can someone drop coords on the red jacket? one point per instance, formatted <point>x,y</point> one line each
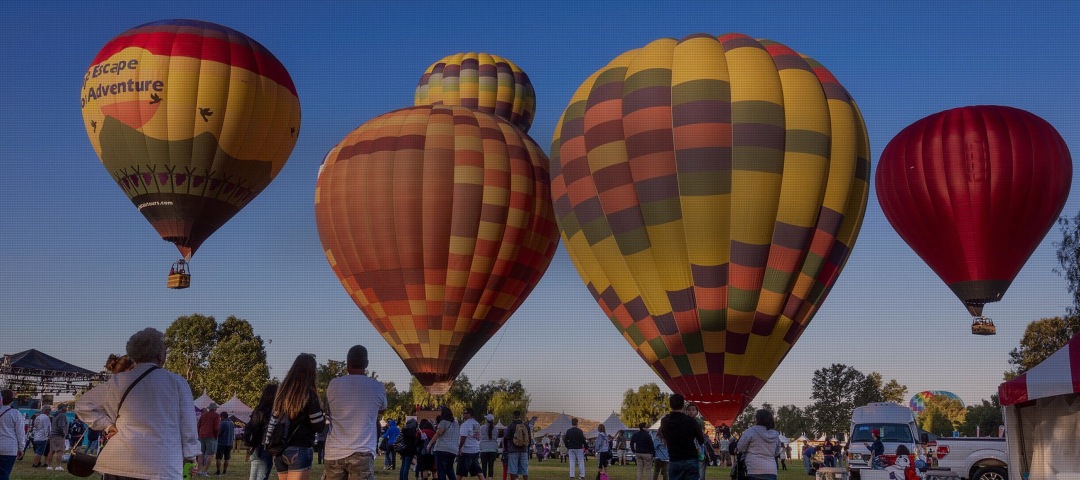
<point>209,425</point>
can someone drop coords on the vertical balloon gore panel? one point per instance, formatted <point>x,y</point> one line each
<point>192,120</point>
<point>709,191</point>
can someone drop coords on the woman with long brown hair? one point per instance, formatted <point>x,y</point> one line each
<point>297,399</point>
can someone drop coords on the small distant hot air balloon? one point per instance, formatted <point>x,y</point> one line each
<point>480,81</point>
<point>973,191</point>
<point>709,191</point>
<point>192,120</point>
<point>438,222</point>
<point>918,401</point>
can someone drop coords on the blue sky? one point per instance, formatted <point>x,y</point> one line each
<point>82,269</point>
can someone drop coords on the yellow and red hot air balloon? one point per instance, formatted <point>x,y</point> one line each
<point>438,222</point>
<point>192,120</point>
<point>709,191</point>
<point>480,81</point>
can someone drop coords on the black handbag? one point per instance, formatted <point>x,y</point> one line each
<point>82,464</point>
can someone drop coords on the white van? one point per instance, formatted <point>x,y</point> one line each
<point>896,424</point>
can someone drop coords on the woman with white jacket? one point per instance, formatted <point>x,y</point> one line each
<point>760,444</point>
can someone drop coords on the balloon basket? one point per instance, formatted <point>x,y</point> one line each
<point>178,276</point>
<point>983,326</point>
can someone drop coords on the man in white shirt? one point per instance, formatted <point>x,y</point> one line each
<point>354,403</point>
<point>39,431</point>
<point>468,457</point>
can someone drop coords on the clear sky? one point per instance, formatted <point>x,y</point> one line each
<point>82,269</point>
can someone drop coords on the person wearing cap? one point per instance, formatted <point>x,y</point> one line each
<point>489,446</point>
<point>877,449</point>
<point>354,403</point>
<point>468,456</point>
<point>209,430</point>
<point>40,426</point>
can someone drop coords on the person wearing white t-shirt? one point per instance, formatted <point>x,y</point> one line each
<point>354,403</point>
<point>468,457</point>
<point>39,434</point>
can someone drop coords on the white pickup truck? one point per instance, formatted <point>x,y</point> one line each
<point>971,458</point>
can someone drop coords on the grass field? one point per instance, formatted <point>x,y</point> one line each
<point>547,470</point>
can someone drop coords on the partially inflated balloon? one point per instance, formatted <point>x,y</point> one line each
<point>973,191</point>
<point>438,222</point>
<point>709,191</point>
<point>192,120</point>
<point>918,401</point>
<point>489,83</point>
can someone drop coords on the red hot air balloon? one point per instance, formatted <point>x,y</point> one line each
<point>973,190</point>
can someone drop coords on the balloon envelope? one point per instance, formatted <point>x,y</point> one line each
<point>709,191</point>
<point>918,401</point>
<point>438,222</point>
<point>480,81</point>
<point>192,120</point>
<point>973,191</point>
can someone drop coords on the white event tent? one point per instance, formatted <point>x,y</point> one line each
<point>611,426</point>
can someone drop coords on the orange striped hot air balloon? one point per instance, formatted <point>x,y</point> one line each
<point>438,222</point>
<point>709,191</point>
<point>192,120</point>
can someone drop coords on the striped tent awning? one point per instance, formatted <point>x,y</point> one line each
<point>1057,375</point>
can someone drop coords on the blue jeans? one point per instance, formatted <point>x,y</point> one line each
<point>406,464</point>
<point>683,469</point>
<point>260,464</point>
<point>444,465</point>
<point>7,463</point>
<point>517,463</point>
<point>294,459</point>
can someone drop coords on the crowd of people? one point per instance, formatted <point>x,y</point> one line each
<point>142,424</point>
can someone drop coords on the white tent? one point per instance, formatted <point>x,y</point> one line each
<point>203,401</point>
<point>611,426</point>
<point>558,426</point>
<point>236,408</point>
<point>655,426</point>
<point>1042,417</point>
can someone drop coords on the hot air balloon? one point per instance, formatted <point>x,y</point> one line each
<point>709,191</point>
<point>973,191</point>
<point>918,401</point>
<point>438,222</point>
<point>480,81</point>
<point>192,120</point>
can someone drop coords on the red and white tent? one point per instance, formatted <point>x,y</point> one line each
<point>1042,417</point>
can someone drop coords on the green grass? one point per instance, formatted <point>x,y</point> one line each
<point>547,470</point>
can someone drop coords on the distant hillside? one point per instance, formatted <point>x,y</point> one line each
<point>543,419</point>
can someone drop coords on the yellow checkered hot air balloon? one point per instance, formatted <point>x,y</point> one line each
<point>480,81</point>
<point>192,120</point>
<point>438,222</point>
<point>709,191</point>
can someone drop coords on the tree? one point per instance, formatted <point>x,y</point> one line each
<point>326,372</point>
<point>189,340</point>
<point>398,404</point>
<point>1068,255</point>
<point>834,390</point>
<point>894,392</point>
<point>646,405</point>
<point>1041,338</point>
<point>869,390</point>
<point>982,420</point>
<point>745,419</point>
<point>506,398</point>
<point>237,366</point>
<point>794,422</point>
<point>941,415</point>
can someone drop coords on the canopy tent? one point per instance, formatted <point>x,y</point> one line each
<point>33,370</point>
<point>559,426</point>
<point>1042,417</point>
<point>611,426</point>
<point>655,426</point>
<point>203,401</point>
<point>236,408</point>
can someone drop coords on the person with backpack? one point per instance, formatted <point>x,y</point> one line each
<point>445,444</point>
<point>407,447</point>
<point>425,458</point>
<point>355,402</point>
<point>76,431</point>
<point>516,442</point>
<point>254,432</point>
<point>290,435</point>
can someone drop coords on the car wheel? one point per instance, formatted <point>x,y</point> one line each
<point>991,473</point>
